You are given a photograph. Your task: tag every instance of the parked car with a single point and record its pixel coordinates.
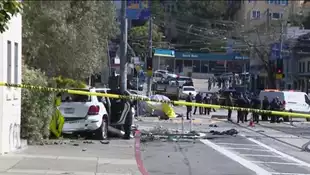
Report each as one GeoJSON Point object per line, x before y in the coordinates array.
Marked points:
{"type": "Point", "coordinates": [84, 114]}
{"type": "Point", "coordinates": [185, 90]}
{"type": "Point", "coordinates": [89, 114]}
{"type": "Point", "coordinates": [180, 80]}
{"type": "Point", "coordinates": [157, 76]}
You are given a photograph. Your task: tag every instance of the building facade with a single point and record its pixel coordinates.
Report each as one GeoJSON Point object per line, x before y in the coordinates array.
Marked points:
{"type": "Point", "coordinates": [199, 65]}
{"type": "Point", "coordinates": [10, 98]}
{"type": "Point", "coordinates": [253, 13]}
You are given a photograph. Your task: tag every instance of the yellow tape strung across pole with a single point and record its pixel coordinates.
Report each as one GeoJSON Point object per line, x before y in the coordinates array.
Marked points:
{"type": "Point", "coordinates": [135, 97]}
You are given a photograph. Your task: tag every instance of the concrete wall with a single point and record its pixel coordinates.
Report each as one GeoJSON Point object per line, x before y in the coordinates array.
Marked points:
{"type": "Point", "coordinates": [10, 98]}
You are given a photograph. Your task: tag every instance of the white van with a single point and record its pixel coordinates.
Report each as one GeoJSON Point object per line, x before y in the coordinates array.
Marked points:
{"type": "Point", "coordinates": [292, 100]}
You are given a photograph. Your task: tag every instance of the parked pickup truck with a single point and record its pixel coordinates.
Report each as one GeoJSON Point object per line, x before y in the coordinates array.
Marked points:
{"type": "Point", "coordinates": [171, 91]}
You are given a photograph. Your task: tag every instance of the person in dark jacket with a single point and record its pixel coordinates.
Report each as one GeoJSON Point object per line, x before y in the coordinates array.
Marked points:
{"type": "Point", "coordinates": [198, 99]}
{"type": "Point", "coordinates": [229, 102]}
{"type": "Point", "coordinates": [215, 100]}
{"type": "Point", "coordinates": [207, 100]}
{"type": "Point", "coordinates": [255, 103]}
{"type": "Point", "coordinates": [265, 106]}
{"type": "Point", "coordinates": [189, 108]}
{"type": "Point", "coordinates": [241, 102]}
{"type": "Point", "coordinates": [247, 105]}
{"type": "Point", "coordinates": [275, 105]}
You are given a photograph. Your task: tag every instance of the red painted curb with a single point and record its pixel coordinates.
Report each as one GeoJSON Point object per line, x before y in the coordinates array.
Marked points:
{"type": "Point", "coordinates": [139, 161]}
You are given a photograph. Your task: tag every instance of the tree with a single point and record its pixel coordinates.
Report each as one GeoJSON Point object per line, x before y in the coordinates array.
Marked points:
{"type": "Point", "coordinates": [8, 8]}
{"type": "Point", "coordinates": [37, 106]}
{"type": "Point", "coordinates": [138, 39]}
{"type": "Point", "coordinates": [306, 22]}
{"type": "Point", "coordinates": [68, 38]}
{"type": "Point", "coordinates": [194, 21]}
{"type": "Point", "coordinates": [258, 43]}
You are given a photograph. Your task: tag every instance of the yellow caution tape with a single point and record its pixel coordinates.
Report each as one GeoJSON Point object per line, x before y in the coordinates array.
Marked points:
{"type": "Point", "coordinates": [139, 98]}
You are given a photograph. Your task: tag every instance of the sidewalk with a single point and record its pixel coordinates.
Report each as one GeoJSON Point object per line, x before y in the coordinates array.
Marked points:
{"type": "Point", "coordinates": [74, 158]}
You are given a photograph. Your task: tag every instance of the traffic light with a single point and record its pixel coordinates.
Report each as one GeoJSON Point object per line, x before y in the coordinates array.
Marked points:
{"type": "Point", "coordinates": [149, 63]}
{"type": "Point", "coordinates": [279, 67]}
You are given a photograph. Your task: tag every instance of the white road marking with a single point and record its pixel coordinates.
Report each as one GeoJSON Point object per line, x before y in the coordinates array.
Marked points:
{"type": "Point", "coordinates": [286, 156]}
{"type": "Point", "coordinates": [236, 144]}
{"type": "Point", "coordinates": [277, 163]}
{"type": "Point", "coordinates": [248, 164]}
{"type": "Point", "coordinates": [250, 149]}
{"type": "Point", "coordinates": [260, 155]}
{"type": "Point", "coordinates": [275, 173]}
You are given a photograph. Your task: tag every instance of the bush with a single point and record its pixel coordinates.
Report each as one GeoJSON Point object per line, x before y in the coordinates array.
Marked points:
{"type": "Point", "coordinates": [68, 83]}
{"type": "Point", "coordinates": [37, 107]}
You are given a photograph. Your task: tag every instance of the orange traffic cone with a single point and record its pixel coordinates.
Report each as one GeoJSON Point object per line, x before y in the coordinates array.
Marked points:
{"type": "Point", "coordinates": [251, 124]}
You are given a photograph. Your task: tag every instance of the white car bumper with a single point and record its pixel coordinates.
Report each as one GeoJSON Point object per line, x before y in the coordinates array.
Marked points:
{"type": "Point", "coordinates": [92, 123]}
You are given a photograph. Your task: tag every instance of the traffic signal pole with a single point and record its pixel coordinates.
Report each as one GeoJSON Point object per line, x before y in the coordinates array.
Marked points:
{"type": "Point", "coordinates": [149, 72]}
{"type": "Point", "coordinates": [281, 58]}
{"type": "Point", "coordinates": [123, 48]}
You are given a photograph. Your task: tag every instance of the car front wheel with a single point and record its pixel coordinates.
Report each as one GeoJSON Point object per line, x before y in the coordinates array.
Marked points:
{"type": "Point", "coordinates": [102, 131]}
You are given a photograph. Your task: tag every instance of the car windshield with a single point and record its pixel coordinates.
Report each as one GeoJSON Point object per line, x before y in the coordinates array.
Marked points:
{"type": "Point", "coordinates": [75, 97]}
{"type": "Point", "coordinates": [188, 89]}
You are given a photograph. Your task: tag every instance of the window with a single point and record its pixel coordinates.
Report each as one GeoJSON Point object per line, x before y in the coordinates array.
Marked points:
{"type": "Point", "coordinates": [189, 89]}
{"type": "Point", "coordinates": [308, 66]}
{"type": "Point", "coordinates": [276, 15]}
{"type": "Point", "coordinates": [278, 2]}
{"type": "Point", "coordinates": [9, 62]}
{"type": "Point", "coordinates": [303, 66]}
{"type": "Point", "coordinates": [255, 14]}
{"type": "Point", "coordinates": [75, 97]}
{"type": "Point", "coordinates": [16, 67]}
{"type": "Point", "coordinates": [307, 99]}
{"type": "Point", "coordinates": [299, 67]}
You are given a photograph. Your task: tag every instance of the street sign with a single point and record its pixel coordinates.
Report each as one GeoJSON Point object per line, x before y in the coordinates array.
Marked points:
{"type": "Point", "coordinates": [138, 9]}
{"type": "Point", "coordinates": [279, 76]}
{"type": "Point", "coordinates": [136, 60]}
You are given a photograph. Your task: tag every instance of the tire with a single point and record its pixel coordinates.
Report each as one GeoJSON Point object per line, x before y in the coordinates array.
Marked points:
{"type": "Point", "coordinates": [102, 132]}
{"type": "Point", "coordinates": [308, 119]}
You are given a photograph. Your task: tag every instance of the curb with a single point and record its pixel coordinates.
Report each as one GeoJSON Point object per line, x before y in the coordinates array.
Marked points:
{"type": "Point", "coordinates": [138, 156]}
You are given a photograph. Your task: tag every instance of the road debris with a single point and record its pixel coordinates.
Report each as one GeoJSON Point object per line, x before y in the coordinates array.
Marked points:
{"type": "Point", "coordinates": [231, 132]}
{"type": "Point", "coordinates": [213, 125]}
{"type": "Point", "coordinates": [159, 133]}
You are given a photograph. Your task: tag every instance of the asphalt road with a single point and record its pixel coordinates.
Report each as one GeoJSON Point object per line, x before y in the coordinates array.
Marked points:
{"type": "Point", "coordinates": [249, 152]}
{"type": "Point", "coordinates": [194, 158]}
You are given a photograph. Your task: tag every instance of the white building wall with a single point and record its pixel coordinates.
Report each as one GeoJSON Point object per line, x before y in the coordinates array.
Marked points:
{"type": "Point", "coordinates": [10, 98]}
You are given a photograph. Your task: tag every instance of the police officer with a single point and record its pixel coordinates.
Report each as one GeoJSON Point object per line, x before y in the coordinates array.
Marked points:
{"type": "Point", "coordinates": [265, 106]}
{"type": "Point", "coordinates": [198, 99]}
{"type": "Point", "coordinates": [275, 105]}
{"type": "Point", "coordinates": [189, 99]}
{"type": "Point", "coordinates": [247, 105]}
{"type": "Point", "coordinates": [255, 103]}
{"type": "Point", "coordinates": [240, 103]}
{"type": "Point", "coordinates": [229, 102]}
{"type": "Point", "coordinates": [207, 100]}
{"type": "Point", "coordinates": [209, 84]}
{"type": "Point", "coordinates": [215, 100]}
